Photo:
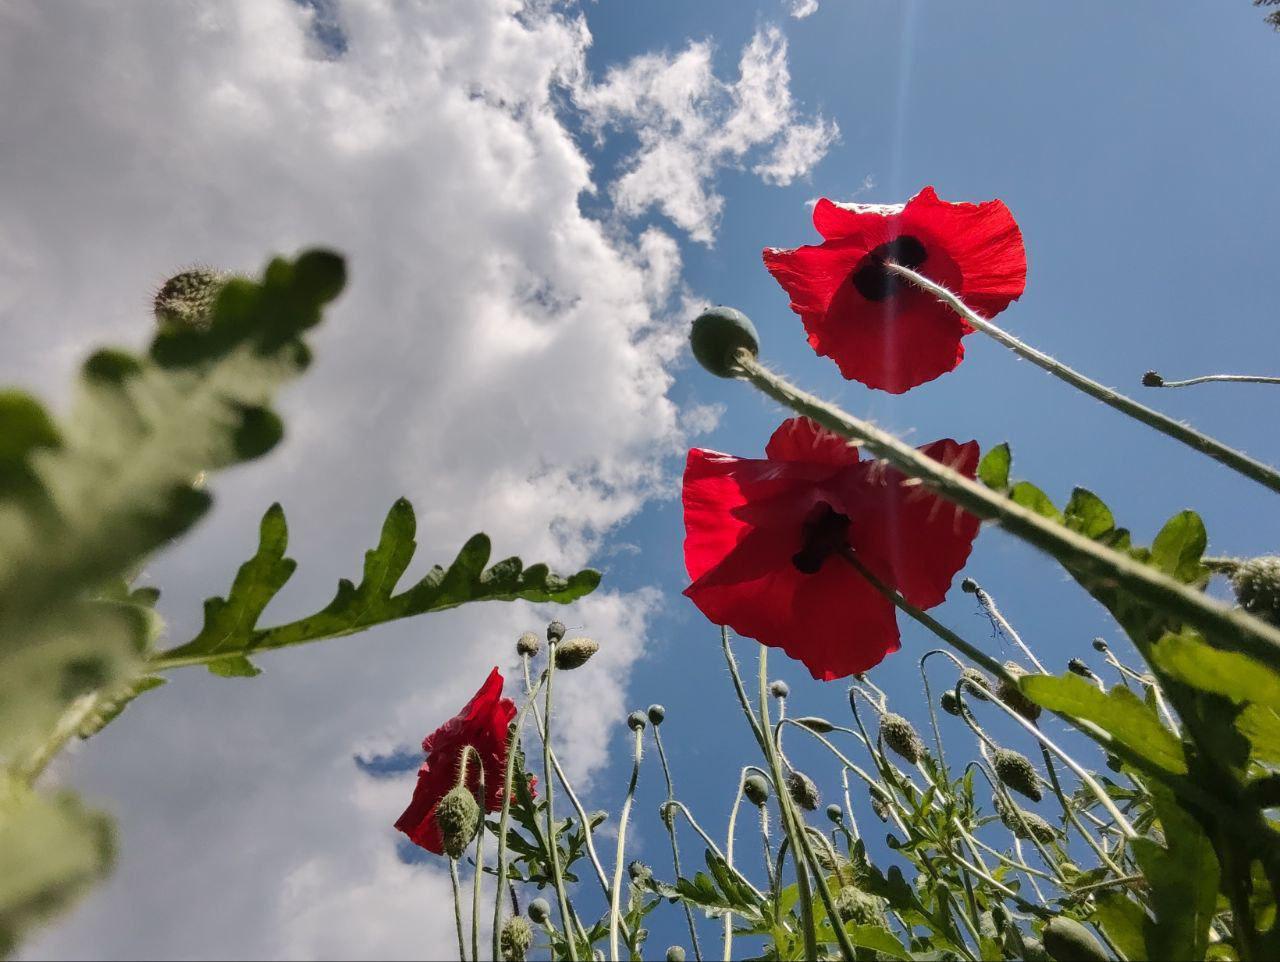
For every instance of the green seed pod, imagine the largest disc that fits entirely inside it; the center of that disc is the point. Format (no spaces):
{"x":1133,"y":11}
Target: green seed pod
{"x":539,"y":911}
{"x":899,"y":735}
{"x":656,"y":715}
{"x":574,"y":653}
{"x":1027,"y":825}
{"x":950,"y":703}
{"x":556,"y":630}
{"x":675,"y":953}
{"x":978,"y":685}
{"x":1012,"y":695}
{"x":859,"y":907}
{"x":1066,"y":940}
{"x":756,"y":789}
{"x":802,"y":790}
{"x":1016,"y":771}
{"x":528,"y":645}
{"x":779,"y":689}
{"x":636,"y":721}
{"x":186,"y":300}
{"x":717,"y":334}
{"x":1256,"y":583}
{"x":516,"y":938}
{"x":458,"y":816}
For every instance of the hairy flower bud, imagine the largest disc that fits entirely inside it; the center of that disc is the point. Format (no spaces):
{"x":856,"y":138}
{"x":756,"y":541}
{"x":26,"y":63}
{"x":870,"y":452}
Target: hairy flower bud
{"x":779,"y":689}
{"x":1077,"y":667}
{"x":815,"y":724}
{"x":717,"y":334}
{"x":859,"y":907}
{"x":675,"y":953}
{"x":574,"y":653}
{"x":978,"y":685}
{"x":637,"y":871}
{"x":835,"y":813}
{"x":636,"y":721}
{"x":656,"y":715}
{"x":539,"y":911}
{"x":528,"y":645}
{"x":950,"y":703}
{"x":756,"y":789}
{"x":899,"y":735}
{"x":1034,"y":951}
{"x":1066,"y":938}
{"x":458,"y":816}
{"x":1016,"y":771}
{"x":1256,"y":583}
{"x":803,"y":791}
{"x":1026,"y":824}
{"x":516,"y":938}
{"x":1012,"y":695}
{"x":186,"y":300}
{"x":1099,"y":645}
{"x":879,"y":802}
{"x":555,"y":631}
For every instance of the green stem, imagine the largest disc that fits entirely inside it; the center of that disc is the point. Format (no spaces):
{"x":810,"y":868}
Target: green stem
{"x":615,"y":904}
{"x":1002,"y":624}
{"x":1151,"y":379}
{"x":553,"y":848}
{"x":457,"y":909}
{"x":504,"y":819}
{"x":675,"y":844}
{"x":479,"y":876}
{"x":63,"y":731}
{"x":1222,"y":625}
{"x":1069,"y":811}
{"x":1236,"y":460}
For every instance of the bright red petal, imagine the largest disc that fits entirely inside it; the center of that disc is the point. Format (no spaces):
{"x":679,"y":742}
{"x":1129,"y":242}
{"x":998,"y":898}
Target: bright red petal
{"x":800,"y":439}
{"x":860,"y":222}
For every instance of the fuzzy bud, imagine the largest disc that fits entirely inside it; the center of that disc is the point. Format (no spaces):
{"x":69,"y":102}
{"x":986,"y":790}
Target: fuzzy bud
{"x":899,"y":735}
{"x":977,"y":685}
{"x":1077,"y":667}
{"x":969,"y":586}
{"x":1034,"y":951}
{"x":1066,"y":938}
{"x":656,"y":715}
{"x":779,"y":689}
{"x":636,"y":721}
{"x":1256,"y":583}
{"x":756,"y":789}
{"x":879,"y":802}
{"x":574,"y":653}
{"x":815,"y":724}
{"x":1016,"y":771}
{"x":950,"y":703}
{"x":555,"y":631}
{"x":458,"y":816}
{"x":859,"y":907}
{"x":718,"y":334}
{"x":1099,"y":646}
{"x":835,"y":813}
{"x":528,"y":645}
{"x":1027,"y":825}
{"x":1012,"y":695}
{"x":516,"y":938}
{"x":186,"y":300}
{"x":803,"y":791}
{"x":539,"y":911}
{"x":1152,"y":379}
{"x":675,"y":953}
{"x":638,"y":872}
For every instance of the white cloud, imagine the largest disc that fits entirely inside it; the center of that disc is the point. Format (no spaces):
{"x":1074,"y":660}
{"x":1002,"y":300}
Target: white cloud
{"x":499,"y":358}
{"x":801,"y":8}
{"x":691,"y":124}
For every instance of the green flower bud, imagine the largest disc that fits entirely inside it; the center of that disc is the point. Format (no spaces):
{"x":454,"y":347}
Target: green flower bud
{"x":1099,"y":646}
{"x":1012,"y":695}
{"x":1256,"y":583}
{"x":574,"y":653}
{"x":756,"y":789}
{"x":879,"y":802}
{"x":555,"y":631}
{"x":636,"y":721}
{"x":779,"y":689}
{"x":1152,"y":379}
{"x":1077,"y":667}
{"x":859,"y":907}
{"x":528,"y":645}
{"x":717,"y":334}
{"x":899,"y":735}
{"x":1027,"y":825}
{"x":539,"y":911}
{"x":1033,"y":950}
{"x":815,"y":724}
{"x":656,"y":715}
{"x":187,"y":299}
{"x":835,"y":813}
{"x":1066,"y":940}
{"x":516,"y":938}
{"x":979,"y":685}
{"x":1016,"y":771}
{"x":802,"y":790}
{"x":950,"y":703}
{"x":458,"y":817}
{"x":675,"y":953}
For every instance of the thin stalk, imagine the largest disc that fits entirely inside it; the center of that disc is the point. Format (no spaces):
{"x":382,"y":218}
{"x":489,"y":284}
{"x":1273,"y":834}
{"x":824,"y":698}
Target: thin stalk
{"x":1231,"y":458}
{"x":675,"y":845}
{"x":457,"y":909}
{"x":1069,"y":811}
{"x":741,"y":691}
{"x":1222,"y":625}
{"x":615,"y":904}
{"x":63,"y":731}
{"x":553,"y":849}
{"x":1152,"y":379}
{"x":479,"y":876}
{"x":728,"y":857}
{"x":1002,"y":624}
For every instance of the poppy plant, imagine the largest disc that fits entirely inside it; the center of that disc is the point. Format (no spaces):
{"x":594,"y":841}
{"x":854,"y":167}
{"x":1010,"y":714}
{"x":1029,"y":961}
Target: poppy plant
{"x":773,"y":546}
{"x":880,"y":329}
{"x":483,"y":724}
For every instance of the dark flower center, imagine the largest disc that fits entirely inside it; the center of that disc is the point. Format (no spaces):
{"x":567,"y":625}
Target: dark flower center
{"x":873,"y":280}
{"x":825,"y":533}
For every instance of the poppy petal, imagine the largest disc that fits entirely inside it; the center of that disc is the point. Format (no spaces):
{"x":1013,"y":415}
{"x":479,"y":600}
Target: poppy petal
{"x":802,"y":439}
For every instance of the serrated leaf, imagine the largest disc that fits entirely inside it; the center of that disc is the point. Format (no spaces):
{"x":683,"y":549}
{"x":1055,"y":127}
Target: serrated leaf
{"x":1088,"y":514}
{"x":993,"y":469}
{"x":1118,"y":711}
{"x":1194,"y":662}
{"x":1029,"y":496}
{"x":230,"y":631}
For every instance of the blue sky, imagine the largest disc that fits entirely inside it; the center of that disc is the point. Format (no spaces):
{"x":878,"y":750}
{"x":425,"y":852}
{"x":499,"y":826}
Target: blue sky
{"x":500,"y":358}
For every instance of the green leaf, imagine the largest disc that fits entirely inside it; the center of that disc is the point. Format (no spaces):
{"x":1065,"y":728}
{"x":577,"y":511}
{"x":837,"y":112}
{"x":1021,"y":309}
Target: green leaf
{"x":1194,"y":662}
{"x":720,"y":892}
{"x":1029,"y":496}
{"x":1179,"y":546}
{"x":1124,"y":921}
{"x":1119,"y":711}
{"x":85,"y":502}
{"x":231,"y":633}
{"x":1261,"y":725}
{"x":52,"y":850}
{"x":1088,"y":514}
{"x":993,"y":469}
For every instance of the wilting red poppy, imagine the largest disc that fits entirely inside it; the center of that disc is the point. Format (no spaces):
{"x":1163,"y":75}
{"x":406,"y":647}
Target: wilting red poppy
{"x":483,"y":724}
{"x":880,"y":329}
{"x":766,"y":544}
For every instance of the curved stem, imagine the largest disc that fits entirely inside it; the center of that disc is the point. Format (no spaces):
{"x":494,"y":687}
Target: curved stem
{"x":1151,"y":379}
{"x":675,"y":844}
{"x":1002,"y":624}
{"x":615,"y":904}
{"x":513,"y":743}
{"x":1070,"y":813}
{"x":553,"y":849}
{"x":479,"y":876}
{"x":1231,"y":458}
{"x":728,"y":857}
{"x":457,"y":909}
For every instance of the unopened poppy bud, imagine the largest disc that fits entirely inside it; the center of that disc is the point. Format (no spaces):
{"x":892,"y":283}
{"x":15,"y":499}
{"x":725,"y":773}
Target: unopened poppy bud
{"x":803,"y":791}
{"x":1016,"y":771}
{"x":636,"y":721}
{"x":458,"y":817}
{"x":186,"y":300}
{"x":1066,"y":938}
{"x":880,"y":808}
{"x":574,"y":653}
{"x":1256,"y":583}
{"x":1033,"y":950}
{"x":1026,"y":824}
{"x":1152,"y":379}
{"x":516,"y":938}
{"x":779,"y":689}
{"x":539,"y":911}
{"x":892,"y":841}
{"x":1099,"y":645}
{"x":950,"y":703}
{"x":656,"y":714}
{"x":675,"y":953}
{"x":969,"y":586}
{"x":814,"y":724}
{"x":1012,"y":695}
{"x":756,"y":789}
{"x":900,"y":735}
{"x":859,"y":907}
{"x":835,"y":813}
{"x":555,"y":631}
{"x":978,"y":685}
{"x":638,"y":871}
{"x":528,"y":645}
{"x":718,"y":334}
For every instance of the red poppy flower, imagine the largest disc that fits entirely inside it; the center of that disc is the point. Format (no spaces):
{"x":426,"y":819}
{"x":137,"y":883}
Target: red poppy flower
{"x":483,"y":724}
{"x":765,"y":540}
{"x":880,"y":329}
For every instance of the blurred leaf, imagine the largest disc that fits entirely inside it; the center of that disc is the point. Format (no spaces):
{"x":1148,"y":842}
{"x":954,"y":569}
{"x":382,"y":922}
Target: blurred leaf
{"x":52,"y":850}
{"x":1118,"y":711}
{"x":230,"y":631}
{"x":1261,"y":725}
{"x":1124,"y":921}
{"x":993,"y":469}
{"x":1192,"y":661}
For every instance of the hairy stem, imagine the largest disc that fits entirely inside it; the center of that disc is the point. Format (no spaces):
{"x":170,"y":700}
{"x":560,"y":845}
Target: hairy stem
{"x":675,"y":844}
{"x":553,"y":848}
{"x":615,"y":904}
{"x":457,"y":909}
